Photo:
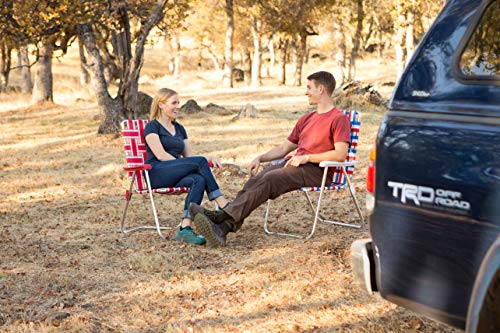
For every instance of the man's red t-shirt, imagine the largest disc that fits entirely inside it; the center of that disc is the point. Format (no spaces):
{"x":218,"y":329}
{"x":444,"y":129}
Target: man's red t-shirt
{"x":317,"y":133}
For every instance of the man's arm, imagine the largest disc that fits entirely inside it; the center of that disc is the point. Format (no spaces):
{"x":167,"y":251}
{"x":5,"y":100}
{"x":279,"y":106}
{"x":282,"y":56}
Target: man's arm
{"x":273,"y":154}
{"x":337,"y":155}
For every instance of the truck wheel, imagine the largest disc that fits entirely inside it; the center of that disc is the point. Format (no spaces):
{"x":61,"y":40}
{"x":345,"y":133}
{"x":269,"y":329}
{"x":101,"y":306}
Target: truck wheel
{"x":489,"y":317}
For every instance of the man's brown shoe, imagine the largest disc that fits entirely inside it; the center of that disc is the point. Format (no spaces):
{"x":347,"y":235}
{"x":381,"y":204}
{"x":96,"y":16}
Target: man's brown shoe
{"x":215,"y":234}
{"x":216,"y":216}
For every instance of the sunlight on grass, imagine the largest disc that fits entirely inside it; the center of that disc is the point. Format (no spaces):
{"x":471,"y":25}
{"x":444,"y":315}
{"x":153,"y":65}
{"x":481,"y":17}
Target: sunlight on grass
{"x":39,"y":142}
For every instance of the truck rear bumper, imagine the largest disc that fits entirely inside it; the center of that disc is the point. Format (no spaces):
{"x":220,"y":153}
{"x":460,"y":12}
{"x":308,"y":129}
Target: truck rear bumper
{"x":361,"y":250}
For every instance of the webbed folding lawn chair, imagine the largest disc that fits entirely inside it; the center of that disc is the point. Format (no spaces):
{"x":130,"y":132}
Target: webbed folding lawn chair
{"x":135,"y":155}
{"x":339,"y":181}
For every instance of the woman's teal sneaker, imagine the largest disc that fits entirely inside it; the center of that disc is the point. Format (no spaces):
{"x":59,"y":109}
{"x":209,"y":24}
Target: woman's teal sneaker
{"x":188,"y":235}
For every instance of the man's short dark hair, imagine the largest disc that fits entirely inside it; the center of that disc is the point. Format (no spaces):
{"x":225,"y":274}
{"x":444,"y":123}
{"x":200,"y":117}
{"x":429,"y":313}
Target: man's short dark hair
{"x":324,"y":78}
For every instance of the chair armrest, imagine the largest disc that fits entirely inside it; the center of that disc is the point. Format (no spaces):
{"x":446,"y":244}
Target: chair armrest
{"x":337,"y":164}
{"x":137,"y":167}
{"x":147,"y":167}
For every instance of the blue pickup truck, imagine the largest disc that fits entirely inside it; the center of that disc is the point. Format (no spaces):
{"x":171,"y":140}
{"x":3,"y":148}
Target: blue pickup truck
{"x":434,"y":177}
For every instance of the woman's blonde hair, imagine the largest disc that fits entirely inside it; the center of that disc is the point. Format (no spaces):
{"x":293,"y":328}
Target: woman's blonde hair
{"x":161,"y":96}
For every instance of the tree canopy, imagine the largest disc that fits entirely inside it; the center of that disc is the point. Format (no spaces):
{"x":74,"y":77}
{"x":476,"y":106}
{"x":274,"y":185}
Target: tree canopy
{"x":113,"y":34}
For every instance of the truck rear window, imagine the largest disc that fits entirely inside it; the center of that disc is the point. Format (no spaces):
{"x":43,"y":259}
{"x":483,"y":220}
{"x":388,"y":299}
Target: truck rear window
{"x":481,"y":56}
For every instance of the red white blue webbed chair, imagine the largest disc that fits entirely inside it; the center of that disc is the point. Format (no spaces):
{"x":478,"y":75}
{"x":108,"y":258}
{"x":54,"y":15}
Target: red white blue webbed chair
{"x":339,"y":181}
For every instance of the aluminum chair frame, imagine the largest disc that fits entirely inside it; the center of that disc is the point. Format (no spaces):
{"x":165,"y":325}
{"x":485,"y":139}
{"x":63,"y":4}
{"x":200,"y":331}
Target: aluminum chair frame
{"x":354,"y":117}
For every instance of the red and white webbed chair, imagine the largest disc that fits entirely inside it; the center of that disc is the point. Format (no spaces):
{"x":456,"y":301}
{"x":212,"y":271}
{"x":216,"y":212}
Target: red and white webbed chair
{"x":135,"y":155}
{"x":339,"y":181}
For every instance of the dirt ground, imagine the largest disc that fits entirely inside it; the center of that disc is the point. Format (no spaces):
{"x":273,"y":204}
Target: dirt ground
{"x":65,"y":266}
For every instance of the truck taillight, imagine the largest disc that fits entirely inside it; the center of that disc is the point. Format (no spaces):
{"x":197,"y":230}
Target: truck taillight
{"x":370,"y":182}
{"x":370,"y":177}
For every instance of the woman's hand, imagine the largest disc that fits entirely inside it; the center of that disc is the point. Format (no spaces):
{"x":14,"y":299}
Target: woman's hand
{"x":215,"y":162}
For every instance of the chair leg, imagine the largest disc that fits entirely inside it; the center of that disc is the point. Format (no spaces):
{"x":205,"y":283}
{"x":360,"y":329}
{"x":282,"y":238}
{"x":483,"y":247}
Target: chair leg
{"x":316,"y":211}
{"x":266,"y":216}
{"x":128,"y":198}
{"x":354,"y":199}
{"x":143,"y":227}
{"x":321,"y":218}
{"x":269,"y":232}
{"x":158,"y":228}
{"x":356,"y":203}
{"x":317,"y":216}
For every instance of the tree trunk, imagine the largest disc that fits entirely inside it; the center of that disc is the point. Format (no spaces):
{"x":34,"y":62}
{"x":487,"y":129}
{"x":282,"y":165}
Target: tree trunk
{"x":24,"y":64}
{"x":306,"y":53}
{"x":399,"y":41}
{"x":247,"y":66}
{"x":118,"y":66}
{"x":176,"y":63}
{"x":272,"y":57}
{"x":257,"y":55}
{"x":43,"y":85}
{"x":5,"y":62}
{"x":357,"y":39}
{"x":365,"y":40}
{"x":381,"y":44}
{"x":84,"y":73}
{"x":409,"y":40}
{"x":295,"y":54}
{"x":301,"y":51}
{"x":227,"y":78}
{"x":132,"y":85}
{"x":212,"y":54}
{"x":378,"y":34}
{"x":340,"y":54}
{"x":110,"y":110}
{"x":283,"y":57}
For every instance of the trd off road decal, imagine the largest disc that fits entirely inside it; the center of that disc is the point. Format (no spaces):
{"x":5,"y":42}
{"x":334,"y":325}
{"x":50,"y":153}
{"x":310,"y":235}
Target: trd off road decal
{"x":425,"y":196}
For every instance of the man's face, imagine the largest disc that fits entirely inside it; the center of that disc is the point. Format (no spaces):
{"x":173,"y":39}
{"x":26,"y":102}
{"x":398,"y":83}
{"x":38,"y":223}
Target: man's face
{"x":313,"y":92}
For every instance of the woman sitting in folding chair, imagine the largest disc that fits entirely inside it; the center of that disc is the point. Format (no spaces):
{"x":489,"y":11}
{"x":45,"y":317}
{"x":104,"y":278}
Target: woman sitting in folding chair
{"x":173,"y":163}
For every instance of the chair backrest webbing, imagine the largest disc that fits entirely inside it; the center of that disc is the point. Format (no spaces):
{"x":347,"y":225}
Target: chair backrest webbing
{"x":135,"y":148}
{"x":354,"y":118}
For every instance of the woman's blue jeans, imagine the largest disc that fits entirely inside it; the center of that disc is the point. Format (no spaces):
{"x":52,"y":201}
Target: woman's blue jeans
{"x":193,"y":172}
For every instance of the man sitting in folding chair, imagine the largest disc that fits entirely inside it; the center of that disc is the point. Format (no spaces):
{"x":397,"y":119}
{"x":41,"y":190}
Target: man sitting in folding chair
{"x":322,"y":135}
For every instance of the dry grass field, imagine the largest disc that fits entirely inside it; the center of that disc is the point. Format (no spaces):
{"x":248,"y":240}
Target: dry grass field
{"x":65,"y":267}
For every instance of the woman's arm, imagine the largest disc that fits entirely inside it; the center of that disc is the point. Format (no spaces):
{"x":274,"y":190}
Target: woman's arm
{"x":211,"y":159}
{"x":154,"y":143}
{"x":187,"y":149}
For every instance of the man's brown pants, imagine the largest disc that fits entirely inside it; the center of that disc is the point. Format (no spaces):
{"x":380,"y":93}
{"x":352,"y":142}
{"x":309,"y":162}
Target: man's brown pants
{"x":270,"y":184}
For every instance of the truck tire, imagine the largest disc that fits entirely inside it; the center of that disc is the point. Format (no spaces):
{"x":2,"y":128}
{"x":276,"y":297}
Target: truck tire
{"x":489,"y":317}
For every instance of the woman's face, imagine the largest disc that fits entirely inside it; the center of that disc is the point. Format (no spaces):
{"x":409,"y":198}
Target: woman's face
{"x":171,"y":107}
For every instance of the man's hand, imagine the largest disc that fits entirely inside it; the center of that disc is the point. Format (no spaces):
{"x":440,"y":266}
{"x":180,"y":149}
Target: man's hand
{"x":253,"y":167}
{"x":295,"y":161}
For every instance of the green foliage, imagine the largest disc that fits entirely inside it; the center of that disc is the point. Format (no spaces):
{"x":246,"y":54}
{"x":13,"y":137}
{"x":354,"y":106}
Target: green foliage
{"x":204,"y":20}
